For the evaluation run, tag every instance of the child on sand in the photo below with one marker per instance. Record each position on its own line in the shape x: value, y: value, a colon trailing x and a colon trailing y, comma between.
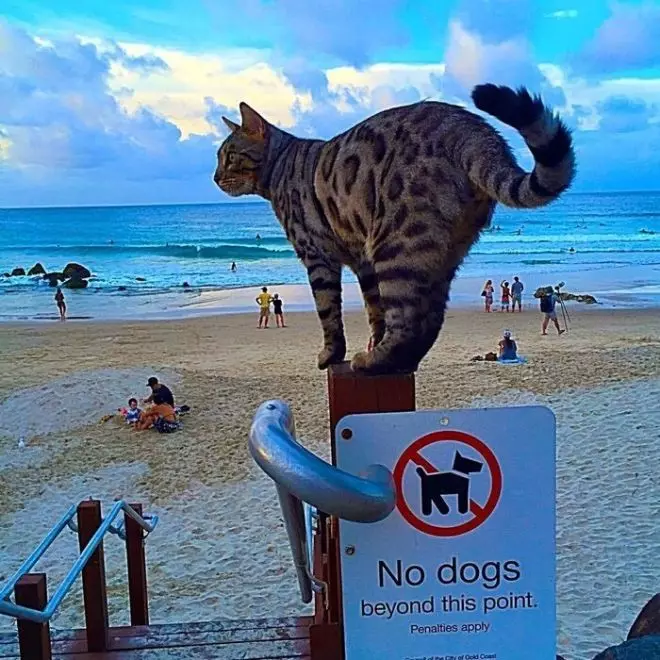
x: 132, y: 413
x: 277, y: 308
x: 506, y: 295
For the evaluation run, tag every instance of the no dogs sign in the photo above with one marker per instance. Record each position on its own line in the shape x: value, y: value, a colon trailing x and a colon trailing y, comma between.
x: 464, y: 567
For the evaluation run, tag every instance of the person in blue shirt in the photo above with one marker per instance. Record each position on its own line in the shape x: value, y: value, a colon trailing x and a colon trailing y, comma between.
x: 517, y: 289
x: 547, y: 304
x: 508, y: 350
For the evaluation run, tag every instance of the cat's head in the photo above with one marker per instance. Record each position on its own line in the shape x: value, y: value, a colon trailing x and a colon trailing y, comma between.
x: 242, y: 156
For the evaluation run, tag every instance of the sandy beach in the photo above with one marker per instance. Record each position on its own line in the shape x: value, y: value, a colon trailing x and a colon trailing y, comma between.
x: 219, y: 514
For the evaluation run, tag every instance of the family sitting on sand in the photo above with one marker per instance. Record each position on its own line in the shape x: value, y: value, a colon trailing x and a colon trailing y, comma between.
x: 161, y: 413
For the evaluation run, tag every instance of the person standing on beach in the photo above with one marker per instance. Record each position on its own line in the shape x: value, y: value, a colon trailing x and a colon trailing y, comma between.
x: 61, y: 305
x: 263, y: 300
x: 517, y: 289
x: 487, y: 294
x: 277, y: 308
x: 547, y: 303
x: 506, y: 295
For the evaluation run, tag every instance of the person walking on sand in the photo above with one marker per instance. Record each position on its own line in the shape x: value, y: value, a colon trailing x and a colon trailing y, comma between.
x: 61, y: 305
x: 263, y: 300
x: 506, y: 295
x: 277, y: 308
x: 517, y: 289
x: 487, y: 294
x: 547, y: 304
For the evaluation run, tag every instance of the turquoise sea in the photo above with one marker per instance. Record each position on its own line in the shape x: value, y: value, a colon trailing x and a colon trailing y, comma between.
x: 610, y: 240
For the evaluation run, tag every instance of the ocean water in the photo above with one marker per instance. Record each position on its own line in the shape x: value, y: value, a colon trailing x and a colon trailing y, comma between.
x: 596, y: 234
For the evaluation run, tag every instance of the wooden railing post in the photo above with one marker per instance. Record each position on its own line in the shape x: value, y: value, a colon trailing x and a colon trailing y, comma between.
x: 348, y: 394
x: 93, y: 578
x: 137, y: 570
x: 33, y: 638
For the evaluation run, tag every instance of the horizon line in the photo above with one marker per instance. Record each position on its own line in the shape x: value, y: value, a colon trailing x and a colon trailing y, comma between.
x: 259, y: 201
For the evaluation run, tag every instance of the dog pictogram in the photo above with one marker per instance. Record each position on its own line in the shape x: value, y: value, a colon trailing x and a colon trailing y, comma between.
x: 457, y: 482
x: 429, y: 487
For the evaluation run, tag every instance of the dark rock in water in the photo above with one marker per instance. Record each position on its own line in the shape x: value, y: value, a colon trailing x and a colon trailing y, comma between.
x: 6, y: 274
x: 185, y: 285
x: 140, y: 279
x: 586, y: 298
x: 54, y: 278
x: 37, y: 269
x: 648, y: 620
x: 542, y: 290
x: 17, y: 272
x: 642, y: 648
x: 74, y: 269
x: 75, y: 283
x: 122, y: 288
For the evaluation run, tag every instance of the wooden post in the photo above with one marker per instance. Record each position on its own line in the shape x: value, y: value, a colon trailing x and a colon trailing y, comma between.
x: 137, y: 570
x: 348, y: 394
x: 93, y: 578
x: 33, y: 638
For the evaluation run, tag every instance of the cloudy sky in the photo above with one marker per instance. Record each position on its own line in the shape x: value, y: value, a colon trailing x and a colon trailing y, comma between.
x: 120, y: 102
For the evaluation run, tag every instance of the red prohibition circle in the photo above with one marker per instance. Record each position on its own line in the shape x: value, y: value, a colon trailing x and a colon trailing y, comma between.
x: 480, y: 515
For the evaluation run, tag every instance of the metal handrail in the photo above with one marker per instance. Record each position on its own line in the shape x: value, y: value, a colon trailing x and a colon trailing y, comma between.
x: 301, y: 476
x: 42, y: 616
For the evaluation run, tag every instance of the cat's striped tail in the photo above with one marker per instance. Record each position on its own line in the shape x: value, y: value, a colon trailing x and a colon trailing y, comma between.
x: 547, y: 137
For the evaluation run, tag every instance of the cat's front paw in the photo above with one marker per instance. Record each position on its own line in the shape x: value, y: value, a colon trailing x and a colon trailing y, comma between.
x: 331, y: 355
x: 375, y: 363
x: 362, y: 361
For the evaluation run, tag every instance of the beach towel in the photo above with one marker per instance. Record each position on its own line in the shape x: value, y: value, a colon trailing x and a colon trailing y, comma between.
x: 518, y: 360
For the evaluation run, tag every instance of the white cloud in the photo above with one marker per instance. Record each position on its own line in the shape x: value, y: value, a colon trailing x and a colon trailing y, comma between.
x: 563, y: 13
x: 178, y: 92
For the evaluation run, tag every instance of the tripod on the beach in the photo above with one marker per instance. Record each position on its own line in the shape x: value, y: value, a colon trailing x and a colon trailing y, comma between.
x: 562, y: 305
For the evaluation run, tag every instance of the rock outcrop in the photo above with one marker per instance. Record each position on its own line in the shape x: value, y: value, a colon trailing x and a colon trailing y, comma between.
x: 73, y: 269
x: 37, y: 269
x: 585, y: 298
x: 75, y: 283
x: 17, y: 272
x: 54, y: 278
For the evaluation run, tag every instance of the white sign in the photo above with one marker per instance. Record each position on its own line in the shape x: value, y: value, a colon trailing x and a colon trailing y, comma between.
x: 464, y: 567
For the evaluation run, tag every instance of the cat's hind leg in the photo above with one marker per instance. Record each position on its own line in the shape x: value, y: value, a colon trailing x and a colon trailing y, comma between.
x: 409, y: 274
x: 375, y: 314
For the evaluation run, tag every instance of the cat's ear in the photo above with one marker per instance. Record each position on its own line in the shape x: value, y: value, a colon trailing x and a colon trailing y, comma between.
x: 231, y: 125
x: 253, y: 123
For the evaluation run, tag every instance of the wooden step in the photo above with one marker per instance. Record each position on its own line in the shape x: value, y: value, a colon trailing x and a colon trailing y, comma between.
x: 250, y: 639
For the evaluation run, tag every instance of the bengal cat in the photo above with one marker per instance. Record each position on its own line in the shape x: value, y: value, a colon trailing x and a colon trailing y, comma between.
x: 399, y: 198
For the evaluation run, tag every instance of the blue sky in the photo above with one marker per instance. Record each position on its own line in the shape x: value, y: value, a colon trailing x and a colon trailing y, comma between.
x: 121, y: 102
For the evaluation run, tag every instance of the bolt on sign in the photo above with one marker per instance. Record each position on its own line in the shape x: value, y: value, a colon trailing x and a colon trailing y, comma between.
x: 464, y: 567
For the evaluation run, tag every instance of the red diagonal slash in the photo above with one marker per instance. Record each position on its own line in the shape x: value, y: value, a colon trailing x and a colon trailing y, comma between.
x: 419, y: 460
